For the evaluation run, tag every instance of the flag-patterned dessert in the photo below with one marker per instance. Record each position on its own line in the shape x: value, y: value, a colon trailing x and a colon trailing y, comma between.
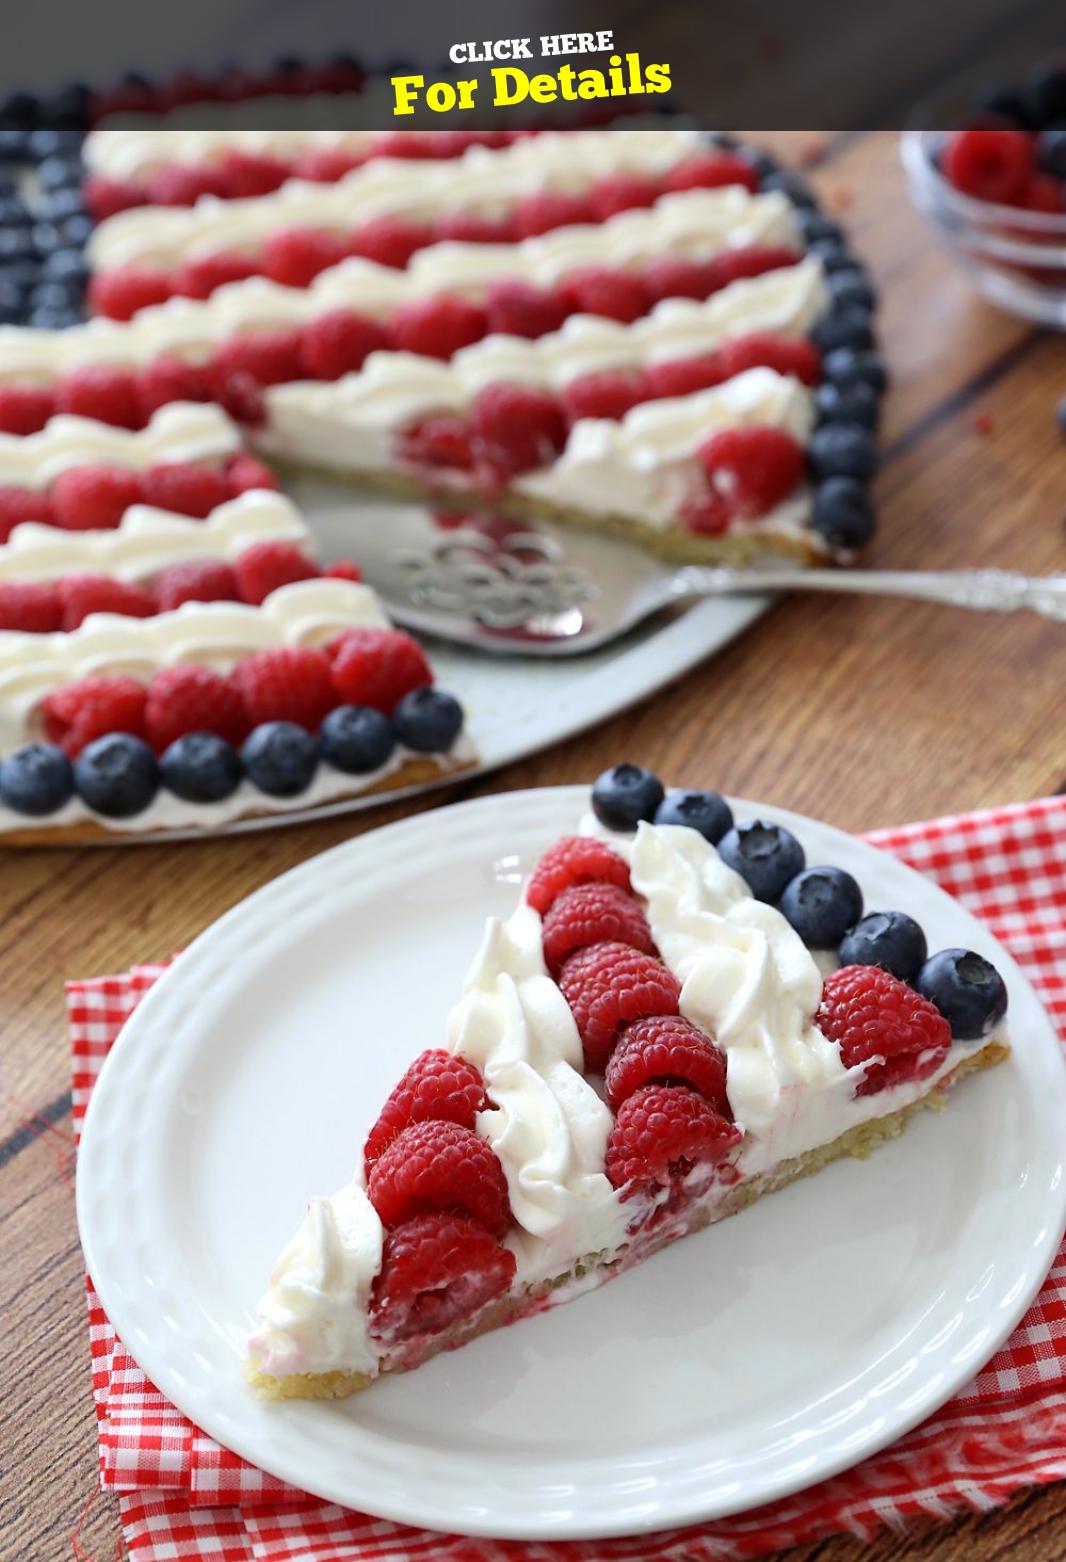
x: 647, y: 1045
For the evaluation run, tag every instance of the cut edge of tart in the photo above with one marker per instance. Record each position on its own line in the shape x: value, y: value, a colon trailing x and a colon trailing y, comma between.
x: 643, y: 1049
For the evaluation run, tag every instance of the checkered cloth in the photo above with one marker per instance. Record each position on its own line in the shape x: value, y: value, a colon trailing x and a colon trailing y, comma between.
x: 184, y: 1498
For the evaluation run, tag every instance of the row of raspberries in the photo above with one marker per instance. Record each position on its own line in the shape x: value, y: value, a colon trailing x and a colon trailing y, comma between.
x: 44, y: 607
x: 338, y: 341
x: 243, y: 175
x: 299, y: 684
x: 294, y: 256
x: 95, y: 498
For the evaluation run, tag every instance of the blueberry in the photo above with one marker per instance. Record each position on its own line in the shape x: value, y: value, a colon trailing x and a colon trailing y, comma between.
x: 357, y: 739
x: 55, y: 297
x: 60, y: 205
x: 52, y: 319
x: 280, y: 758
x: 65, y: 265
x: 852, y: 289
x: 14, y: 146
x: 428, y: 720
x: 626, y: 794
x: 765, y: 855
x: 60, y: 173
x: 22, y: 274
x: 764, y: 163
x: 794, y: 186
x: 890, y: 939
x: 842, y: 513
x: 36, y: 779
x: 842, y: 450
x: 1044, y: 97
x: 706, y: 812
x: 814, y: 227
x: 968, y: 991
x: 845, y: 327
x: 858, y: 403
x: 75, y: 230
x: 1051, y: 153
x: 16, y: 244
x: 14, y: 213
x: 117, y: 775
x: 821, y: 904
x: 1060, y: 414
x: 10, y: 303
x: 53, y: 143
x: 201, y: 768
x: 833, y: 254
x: 846, y: 367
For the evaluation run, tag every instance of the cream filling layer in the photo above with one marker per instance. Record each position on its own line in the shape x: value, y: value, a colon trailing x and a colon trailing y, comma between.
x: 482, y: 181
x: 211, y: 634
x: 695, y: 224
x: 746, y: 978
x: 131, y: 153
x: 147, y: 540
x: 180, y: 431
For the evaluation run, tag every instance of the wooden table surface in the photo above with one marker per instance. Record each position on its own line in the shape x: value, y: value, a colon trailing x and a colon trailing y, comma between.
x: 861, y: 712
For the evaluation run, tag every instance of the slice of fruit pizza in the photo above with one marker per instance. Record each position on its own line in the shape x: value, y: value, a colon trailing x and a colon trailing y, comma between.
x: 647, y: 1045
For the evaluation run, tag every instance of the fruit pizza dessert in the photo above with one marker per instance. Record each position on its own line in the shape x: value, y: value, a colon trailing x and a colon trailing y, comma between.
x: 653, y: 332
x: 680, y: 1016
x: 173, y: 656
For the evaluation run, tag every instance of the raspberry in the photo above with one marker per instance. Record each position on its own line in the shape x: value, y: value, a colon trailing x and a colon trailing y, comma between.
x: 79, y: 712
x: 124, y: 292
x: 267, y: 357
x: 170, y: 379
x: 442, y: 440
x: 617, y: 295
x: 193, y: 699
x: 344, y: 569
x: 1043, y: 193
x: 990, y: 165
x: 194, y: 580
x: 30, y: 606
x: 435, y: 1271
x: 182, y: 184
x: 517, y: 428
x: 390, y: 240
x: 103, y: 392
x: 245, y: 473
x: 593, y: 914
x: 246, y: 174
x: 710, y: 170
x: 18, y: 505
x: 286, y: 683
x: 378, y: 667
x: 465, y: 228
x: 94, y: 498
x: 660, y: 1134
x: 240, y: 395
x: 81, y: 595
x: 669, y: 278
x: 295, y: 256
x: 551, y: 209
x: 435, y: 1165
x: 752, y: 468
x: 24, y: 409
x: 517, y: 309
x: 667, y: 1051
x: 337, y: 343
x: 438, y: 1086
x: 327, y: 164
x: 438, y: 327
x: 186, y: 488
x: 607, y: 986
x: 683, y: 376
x: 765, y: 349
x: 748, y: 260
x: 622, y: 193
x: 199, y: 277
x: 576, y: 859
x: 107, y: 197
x: 416, y: 144
x: 266, y: 566
x: 871, y: 1014
x: 706, y: 515
x: 607, y: 394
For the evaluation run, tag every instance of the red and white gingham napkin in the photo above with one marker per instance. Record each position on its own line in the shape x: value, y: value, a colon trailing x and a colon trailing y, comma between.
x: 185, y: 1498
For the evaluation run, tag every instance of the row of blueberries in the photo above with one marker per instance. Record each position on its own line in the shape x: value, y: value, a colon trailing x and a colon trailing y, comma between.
x: 824, y: 905
x: 44, y: 227
x: 118, y: 775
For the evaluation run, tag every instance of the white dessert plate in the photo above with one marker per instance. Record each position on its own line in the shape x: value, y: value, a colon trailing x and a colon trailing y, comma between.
x: 742, y: 1364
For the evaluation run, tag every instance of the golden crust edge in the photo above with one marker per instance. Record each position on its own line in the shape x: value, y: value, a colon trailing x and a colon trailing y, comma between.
x: 411, y: 773
x: 859, y: 1143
